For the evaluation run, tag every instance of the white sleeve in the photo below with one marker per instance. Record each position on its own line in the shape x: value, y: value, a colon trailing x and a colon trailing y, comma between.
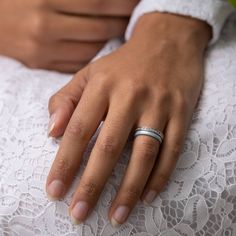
x: 214, y: 12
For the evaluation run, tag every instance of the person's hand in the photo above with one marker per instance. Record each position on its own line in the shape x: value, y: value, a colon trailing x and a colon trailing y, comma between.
x: 59, y: 34
x: 154, y: 80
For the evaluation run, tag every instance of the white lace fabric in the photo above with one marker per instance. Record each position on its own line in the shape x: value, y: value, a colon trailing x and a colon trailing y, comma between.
x: 200, y: 198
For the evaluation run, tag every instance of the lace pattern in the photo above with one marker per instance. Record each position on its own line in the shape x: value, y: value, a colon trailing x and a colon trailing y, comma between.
x: 200, y: 198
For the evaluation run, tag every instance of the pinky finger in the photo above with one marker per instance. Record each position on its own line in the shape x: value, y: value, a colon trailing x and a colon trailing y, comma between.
x: 168, y: 157
x: 65, y: 67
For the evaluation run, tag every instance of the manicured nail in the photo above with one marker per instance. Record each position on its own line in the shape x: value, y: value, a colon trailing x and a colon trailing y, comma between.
x: 51, y: 124
x: 79, y: 212
x: 149, y: 197
x: 55, y: 190
x: 120, y: 215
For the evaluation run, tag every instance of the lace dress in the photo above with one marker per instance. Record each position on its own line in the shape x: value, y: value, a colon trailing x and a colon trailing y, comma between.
x: 200, y: 198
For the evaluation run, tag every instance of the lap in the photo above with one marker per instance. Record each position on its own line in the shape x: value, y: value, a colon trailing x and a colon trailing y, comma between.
x: 199, y: 198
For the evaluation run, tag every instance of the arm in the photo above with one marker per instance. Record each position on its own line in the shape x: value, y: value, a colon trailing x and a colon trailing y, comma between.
x: 153, y: 80
x: 214, y: 12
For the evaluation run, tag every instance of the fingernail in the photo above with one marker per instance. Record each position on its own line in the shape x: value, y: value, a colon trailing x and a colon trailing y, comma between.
x: 120, y: 215
x: 79, y: 212
x: 55, y: 190
x: 149, y: 197
x: 51, y: 124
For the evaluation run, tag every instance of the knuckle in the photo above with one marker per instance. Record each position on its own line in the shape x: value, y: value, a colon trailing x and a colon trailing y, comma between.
x: 61, y: 167
x: 135, y: 91
x: 162, y: 177
x: 77, y: 128
x: 100, y: 79
x: 176, y: 150
x: 40, y: 25
x: 53, y: 99
x: 60, y: 97
x: 107, y: 145
x: 181, y: 103
x: 99, y: 82
x: 164, y: 97
x: 89, y: 188
x: 133, y: 193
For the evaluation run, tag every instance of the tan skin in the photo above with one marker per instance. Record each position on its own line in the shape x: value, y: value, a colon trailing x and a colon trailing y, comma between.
x: 153, y: 80
x: 57, y: 35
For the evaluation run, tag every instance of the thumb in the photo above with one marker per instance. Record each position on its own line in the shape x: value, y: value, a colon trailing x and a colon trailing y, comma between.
x: 63, y: 103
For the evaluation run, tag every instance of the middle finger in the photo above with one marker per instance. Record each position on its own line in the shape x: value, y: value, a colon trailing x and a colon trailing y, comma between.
x: 86, y: 28
x: 144, y: 154
x: 107, y: 149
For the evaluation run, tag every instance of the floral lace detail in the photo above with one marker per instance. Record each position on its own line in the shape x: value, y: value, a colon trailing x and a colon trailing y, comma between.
x: 200, y: 198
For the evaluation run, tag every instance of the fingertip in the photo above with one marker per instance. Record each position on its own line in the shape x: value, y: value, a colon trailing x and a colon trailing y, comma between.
x: 52, y: 199
x: 51, y: 124
x: 149, y: 197
x: 75, y: 221
x: 120, y: 215
x: 58, y: 122
x: 79, y: 212
x: 55, y: 190
x: 54, y: 132
x: 115, y: 223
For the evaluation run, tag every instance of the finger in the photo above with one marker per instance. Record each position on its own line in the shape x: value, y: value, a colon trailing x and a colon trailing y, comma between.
x: 71, y: 51
x: 168, y: 157
x: 90, y: 29
x: 63, y: 103
x: 103, y: 158
x: 104, y: 7
x: 143, y: 156
x: 80, y: 129
x: 65, y: 66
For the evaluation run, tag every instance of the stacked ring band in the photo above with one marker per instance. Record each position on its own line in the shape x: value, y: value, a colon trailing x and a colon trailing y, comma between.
x: 158, y: 135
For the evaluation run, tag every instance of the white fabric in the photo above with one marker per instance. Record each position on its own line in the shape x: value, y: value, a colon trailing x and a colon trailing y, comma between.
x: 214, y: 12
x: 200, y: 198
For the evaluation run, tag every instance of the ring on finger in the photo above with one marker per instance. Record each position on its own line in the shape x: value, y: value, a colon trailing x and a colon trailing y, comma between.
x: 156, y: 134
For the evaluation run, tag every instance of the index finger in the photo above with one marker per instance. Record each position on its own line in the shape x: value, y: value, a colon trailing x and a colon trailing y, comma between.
x: 82, y: 125
x: 63, y: 103
x: 99, y: 8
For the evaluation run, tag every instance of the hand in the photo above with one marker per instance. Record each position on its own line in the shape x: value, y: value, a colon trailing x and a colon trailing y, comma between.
x: 153, y: 80
x: 59, y: 34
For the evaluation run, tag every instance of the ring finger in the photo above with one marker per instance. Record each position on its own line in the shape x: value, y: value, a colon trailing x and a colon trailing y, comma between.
x: 144, y: 153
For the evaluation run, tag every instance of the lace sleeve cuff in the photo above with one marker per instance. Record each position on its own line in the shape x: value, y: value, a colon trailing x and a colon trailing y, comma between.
x: 215, y: 12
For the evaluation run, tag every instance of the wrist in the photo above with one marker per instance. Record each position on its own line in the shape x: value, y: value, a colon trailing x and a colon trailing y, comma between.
x: 155, y: 27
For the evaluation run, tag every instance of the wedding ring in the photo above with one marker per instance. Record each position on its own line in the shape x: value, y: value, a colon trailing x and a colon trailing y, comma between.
x: 158, y: 135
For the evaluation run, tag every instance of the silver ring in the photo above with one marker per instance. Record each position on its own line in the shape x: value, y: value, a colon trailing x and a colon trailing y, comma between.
x: 158, y: 135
